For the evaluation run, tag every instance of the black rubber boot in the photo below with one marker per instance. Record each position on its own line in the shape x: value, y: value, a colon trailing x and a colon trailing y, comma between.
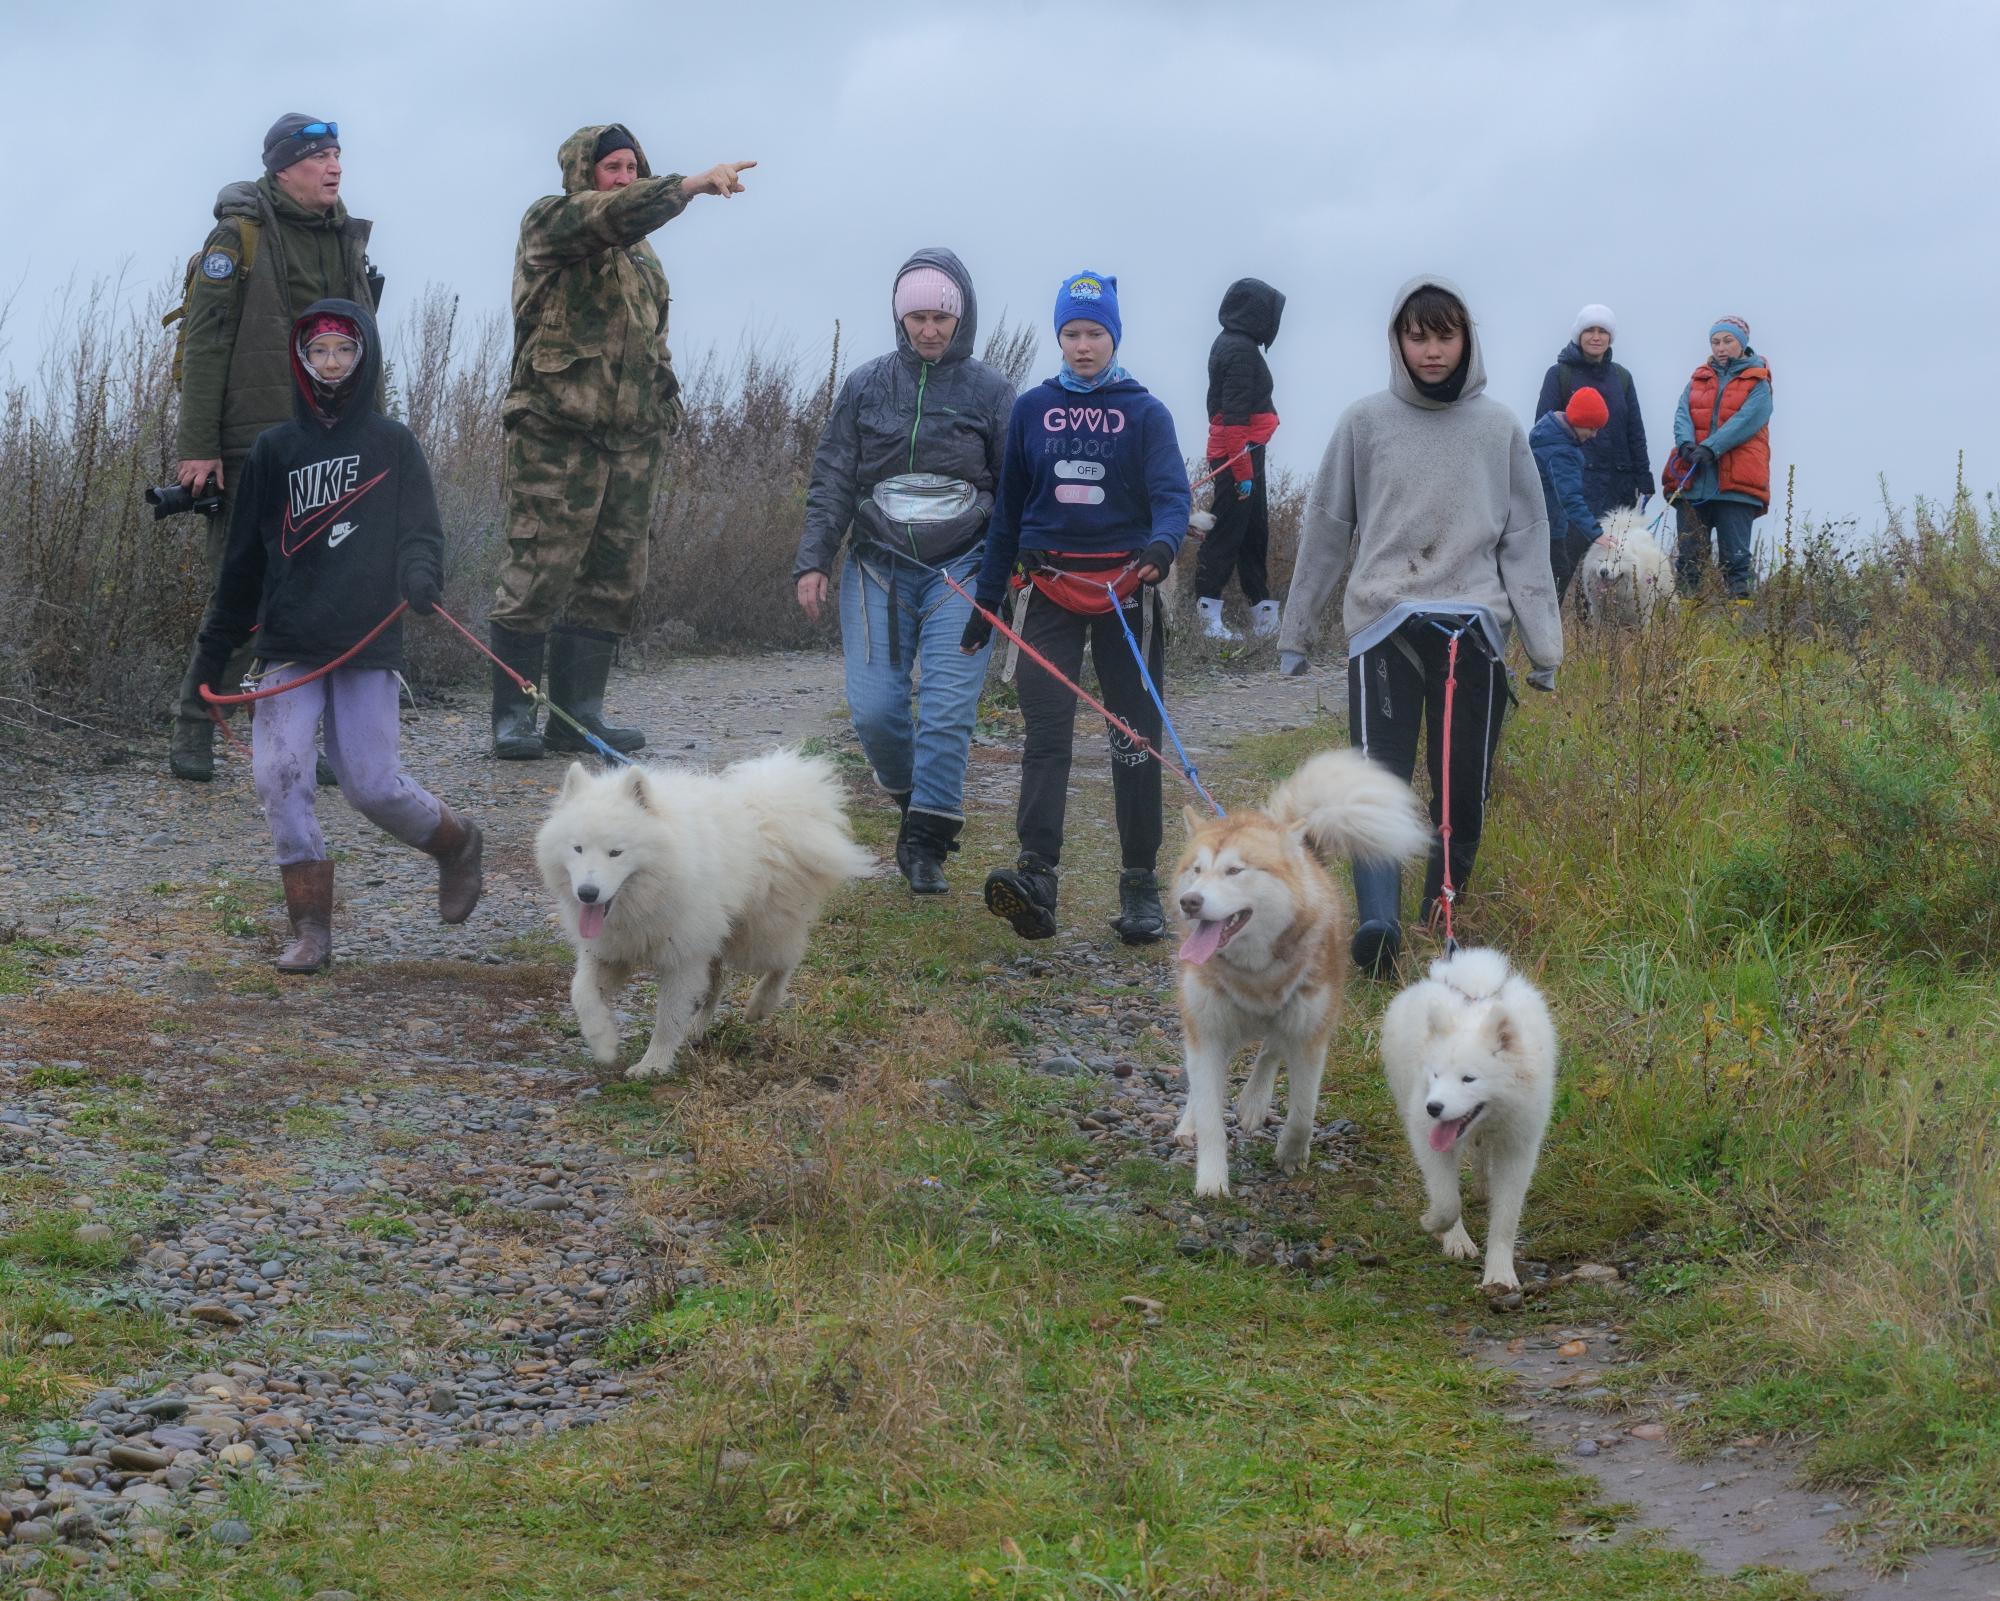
x: 1140, y: 920
x: 1024, y: 894
x: 927, y: 840
x: 191, y: 757
x: 515, y: 737
x: 323, y: 773
x: 579, y: 668
x: 1378, y: 897
x: 902, y: 800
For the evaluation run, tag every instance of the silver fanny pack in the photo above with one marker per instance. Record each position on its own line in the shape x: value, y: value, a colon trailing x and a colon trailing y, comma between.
x: 926, y: 516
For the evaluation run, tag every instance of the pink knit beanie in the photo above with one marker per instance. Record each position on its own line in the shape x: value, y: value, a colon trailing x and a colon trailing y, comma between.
x: 928, y: 289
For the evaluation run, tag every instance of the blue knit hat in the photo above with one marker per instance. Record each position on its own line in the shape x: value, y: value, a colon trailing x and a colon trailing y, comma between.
x: 1731, y: 325
x: 1090, y: 297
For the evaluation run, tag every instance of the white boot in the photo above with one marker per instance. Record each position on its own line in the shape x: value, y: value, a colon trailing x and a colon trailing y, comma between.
x: 1264, y: 619
x: 1212, y: 625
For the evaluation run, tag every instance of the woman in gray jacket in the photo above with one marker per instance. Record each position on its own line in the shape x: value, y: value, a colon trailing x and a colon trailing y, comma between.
x: 908, y: 463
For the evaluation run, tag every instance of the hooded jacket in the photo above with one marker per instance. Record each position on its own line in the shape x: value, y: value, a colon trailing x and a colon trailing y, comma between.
x: 236, y: 374
x: 1438, y: 505
x: 1559, y: 458
x: 901, y: 414
x: 590, y: 305
x: 1239, y: 378
x: 331, y: 525
x: 1616, y: 467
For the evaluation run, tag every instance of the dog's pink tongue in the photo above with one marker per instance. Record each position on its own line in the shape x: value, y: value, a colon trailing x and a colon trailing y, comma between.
x: 1203, y: 943
x: 1444, y: 1135
x: 590, y: 918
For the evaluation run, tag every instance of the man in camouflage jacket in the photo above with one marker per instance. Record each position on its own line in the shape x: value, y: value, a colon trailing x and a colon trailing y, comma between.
x: 590, y: 401
x: 236, y: 372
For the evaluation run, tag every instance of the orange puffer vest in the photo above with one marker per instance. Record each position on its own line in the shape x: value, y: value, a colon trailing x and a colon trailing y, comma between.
x: 1746, y: 470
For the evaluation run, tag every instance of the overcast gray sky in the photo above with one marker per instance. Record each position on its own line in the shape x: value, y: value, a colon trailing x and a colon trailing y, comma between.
x: 1826, y: 171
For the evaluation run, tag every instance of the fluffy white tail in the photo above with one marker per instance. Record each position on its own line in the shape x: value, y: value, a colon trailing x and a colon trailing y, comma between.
x: 799, y: 801
x: 1351, y: 806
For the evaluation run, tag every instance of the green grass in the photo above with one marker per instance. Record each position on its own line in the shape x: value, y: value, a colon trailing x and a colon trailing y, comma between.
x: 911, y: 1373
x: 312, y: 1121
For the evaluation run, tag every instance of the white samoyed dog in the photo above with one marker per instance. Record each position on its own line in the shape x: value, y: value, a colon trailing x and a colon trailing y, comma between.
x: 1625, y: 574
x: 692, y: 874
x: 1470, y: 1055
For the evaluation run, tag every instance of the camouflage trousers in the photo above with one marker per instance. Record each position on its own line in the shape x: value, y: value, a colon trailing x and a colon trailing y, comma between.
x: 577, y: 523
x: 193, y: 727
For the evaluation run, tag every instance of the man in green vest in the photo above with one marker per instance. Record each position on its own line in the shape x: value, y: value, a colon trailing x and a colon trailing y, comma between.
x: 279, y: 243
x: 590, y: 401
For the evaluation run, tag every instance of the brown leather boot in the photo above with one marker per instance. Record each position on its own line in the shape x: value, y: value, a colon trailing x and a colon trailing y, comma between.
x: 457, y: 845
x: 309, y: 904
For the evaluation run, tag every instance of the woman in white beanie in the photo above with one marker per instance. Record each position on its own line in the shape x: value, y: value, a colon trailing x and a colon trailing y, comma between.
x: 1615, y: 464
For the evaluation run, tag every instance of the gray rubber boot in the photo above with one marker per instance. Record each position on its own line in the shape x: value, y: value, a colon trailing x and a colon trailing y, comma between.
x: 515, y: 736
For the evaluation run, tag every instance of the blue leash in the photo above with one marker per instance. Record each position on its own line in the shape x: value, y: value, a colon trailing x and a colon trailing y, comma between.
x: 1166, y: 722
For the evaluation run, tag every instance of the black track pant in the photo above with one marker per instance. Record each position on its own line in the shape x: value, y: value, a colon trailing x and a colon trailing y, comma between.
x: 1390, y: 698
x: 1241, y: 538
x: 1050, y: 713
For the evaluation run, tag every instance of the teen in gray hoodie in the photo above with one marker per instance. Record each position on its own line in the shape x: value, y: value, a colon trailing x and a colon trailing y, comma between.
x: 1429, y: 500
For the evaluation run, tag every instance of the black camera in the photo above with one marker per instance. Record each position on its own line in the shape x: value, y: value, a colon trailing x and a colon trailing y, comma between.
x: 170, y: 500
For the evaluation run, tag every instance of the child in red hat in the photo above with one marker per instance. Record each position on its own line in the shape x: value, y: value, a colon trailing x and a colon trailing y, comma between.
x: 1557, y: 440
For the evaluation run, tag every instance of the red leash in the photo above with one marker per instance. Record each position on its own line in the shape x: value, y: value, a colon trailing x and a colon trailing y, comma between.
x: 217, y: 702
x: 1446, y: 894
x: 341, y: 660
x: 1138, y: 739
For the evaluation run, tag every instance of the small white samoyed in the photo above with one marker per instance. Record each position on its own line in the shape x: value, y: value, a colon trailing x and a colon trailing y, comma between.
x: 1470, y: 1055
x: 1624, y: 573
x: 692, y: 874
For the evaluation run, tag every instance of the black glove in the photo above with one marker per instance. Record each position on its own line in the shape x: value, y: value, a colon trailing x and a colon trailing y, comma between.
x: 1159, y: 556
x: 423, y: 591
x: 210, y: 663
x: 978, y: 629
x: 1702, y: 457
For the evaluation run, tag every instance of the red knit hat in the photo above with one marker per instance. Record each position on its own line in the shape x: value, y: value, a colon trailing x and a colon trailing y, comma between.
x: 1586, y: 409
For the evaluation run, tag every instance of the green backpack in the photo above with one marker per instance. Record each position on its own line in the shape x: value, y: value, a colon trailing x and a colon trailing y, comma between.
x: 247, y: 228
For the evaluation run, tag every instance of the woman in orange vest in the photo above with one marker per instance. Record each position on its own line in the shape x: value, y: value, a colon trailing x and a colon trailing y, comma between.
x: 1720, y: 471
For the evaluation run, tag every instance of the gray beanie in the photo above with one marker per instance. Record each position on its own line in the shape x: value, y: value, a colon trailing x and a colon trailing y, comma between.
x: 287, y: 143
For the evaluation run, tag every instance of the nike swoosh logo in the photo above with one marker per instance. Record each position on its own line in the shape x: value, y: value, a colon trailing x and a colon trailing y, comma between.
x: 337, y: 533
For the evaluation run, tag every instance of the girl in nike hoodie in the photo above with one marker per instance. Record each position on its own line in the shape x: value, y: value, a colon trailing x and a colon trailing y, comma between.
x: 1429, y: 489
x: 335, y: 522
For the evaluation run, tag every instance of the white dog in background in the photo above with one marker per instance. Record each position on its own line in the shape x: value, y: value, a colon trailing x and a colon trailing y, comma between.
x: 1470, y: 1055
x: 1625, y: 574
x: 692, y: 874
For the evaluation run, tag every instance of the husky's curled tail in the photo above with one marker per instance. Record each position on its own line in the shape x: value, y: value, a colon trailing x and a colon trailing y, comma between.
x: 1345, y: 805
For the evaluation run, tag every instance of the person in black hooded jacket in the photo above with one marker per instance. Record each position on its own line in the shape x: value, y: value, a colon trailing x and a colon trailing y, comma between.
x: 1240, y: 424
x: 335, y: 522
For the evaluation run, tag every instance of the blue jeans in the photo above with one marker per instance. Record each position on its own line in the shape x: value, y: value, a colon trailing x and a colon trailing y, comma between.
x: 918, y: 749
x: 1729, y: 521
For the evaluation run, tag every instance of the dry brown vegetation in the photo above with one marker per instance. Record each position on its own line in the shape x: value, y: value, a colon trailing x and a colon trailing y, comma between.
x: 98, y: 602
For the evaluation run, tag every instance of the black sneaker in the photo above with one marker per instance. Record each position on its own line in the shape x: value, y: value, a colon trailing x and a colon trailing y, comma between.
x: 1141, y: 920
x: 1024, y: 894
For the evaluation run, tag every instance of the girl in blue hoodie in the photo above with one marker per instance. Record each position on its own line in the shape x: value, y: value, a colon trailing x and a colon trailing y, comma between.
x: 1093, y: 491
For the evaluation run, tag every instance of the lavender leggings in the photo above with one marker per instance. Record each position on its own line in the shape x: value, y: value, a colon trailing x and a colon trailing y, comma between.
x: 359, y: 705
